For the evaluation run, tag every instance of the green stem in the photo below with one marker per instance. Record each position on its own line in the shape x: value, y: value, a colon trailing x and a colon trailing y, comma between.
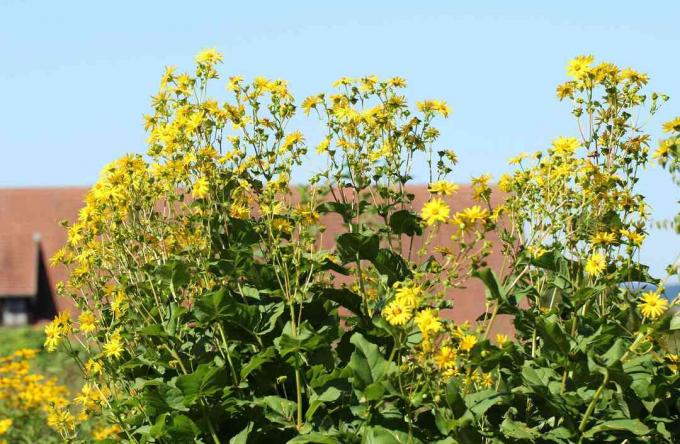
x: 226, y: 347
x: 298, y: 382
x: 591, y: 406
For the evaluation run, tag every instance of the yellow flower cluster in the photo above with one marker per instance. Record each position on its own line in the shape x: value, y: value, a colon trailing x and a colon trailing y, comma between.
x: 400, y: 310
x: 25, y: 393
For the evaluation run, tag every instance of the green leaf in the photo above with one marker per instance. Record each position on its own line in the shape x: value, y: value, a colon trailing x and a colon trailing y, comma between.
x: 494, y: 288
x: 266, y: 355
x: 344, y: 210
x: 205, y: 381
x: 331, y: 394
x: 406, y: 222
x: 675, y: 322
x: 367, y: 363
x: 353, y: 246
x: 479, y: 402
x: 314, y: 438
x: 278, y: 410
x: 518, y: 430
x: 381, y: 435
x: 345, y: 298
x: 307, y: 338
x: 633, y: 426
x: 392, y: 265
x: 615, y: 352
x: 550, y: 331
x: 242, y: 436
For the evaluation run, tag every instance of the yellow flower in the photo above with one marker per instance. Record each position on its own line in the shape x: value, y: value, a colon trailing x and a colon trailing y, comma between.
x: 309, y: 103
x: 106, y: 432
x: 596, y: 264
x: 518, y: 158
x: 487, y: 380
x: 603, y: 238
x: 467, y: 342
x: 436, y: 106
x: 662, y: 152
x: 60, y: 419
x: 113, y: 347
x: 291, y: 139
x: 408, y: 295
x: 443, y: 187
x: 579, y: 67
x: 501, y: 339
x: 435, y: 211
x: 671, y: 125
x: 201, y: 188
x: 87, y: 322
x: 565, y: 146
x: 634, y: 237
x: 208, y: 56
x: 53, y: 336
x: 673, y: 362
x: 93, y: 367
x: 565, y: 90
x: 397, y: 314
x: 428, y: 321
x: 239, y: 211
x: 5, y: 424
x: 652, y: 305
x: 446, y: 358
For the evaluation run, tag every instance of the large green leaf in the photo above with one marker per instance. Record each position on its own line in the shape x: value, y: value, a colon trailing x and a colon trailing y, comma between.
x: 381, y: 435
x: 406, y: 222
x: 242, y: 436
x: 634, y: 426
x: 479, y: 402
x: 392, y: 265
x: 367, y: 363
x: 519, y: 430
x: 205, y: 381
x: 353, y: 246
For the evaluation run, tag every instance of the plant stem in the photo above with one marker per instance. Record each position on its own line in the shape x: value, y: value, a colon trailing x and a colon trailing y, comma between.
x: 298, y: 384
x: 591, y: 406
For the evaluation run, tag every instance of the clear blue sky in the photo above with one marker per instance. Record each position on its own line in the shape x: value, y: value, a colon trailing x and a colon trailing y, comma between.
x: 76, y: 76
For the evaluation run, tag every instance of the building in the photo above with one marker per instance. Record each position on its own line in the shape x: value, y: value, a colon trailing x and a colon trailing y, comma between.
x: 30, y: 234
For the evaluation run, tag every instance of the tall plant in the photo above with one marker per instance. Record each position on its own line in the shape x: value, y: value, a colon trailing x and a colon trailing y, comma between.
x: 212, y: 310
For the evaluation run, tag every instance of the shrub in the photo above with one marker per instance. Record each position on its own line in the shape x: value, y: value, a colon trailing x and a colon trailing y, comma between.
x: 211, y: 312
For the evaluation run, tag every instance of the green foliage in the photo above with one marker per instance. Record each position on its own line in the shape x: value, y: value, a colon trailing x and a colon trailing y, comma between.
x: 217, y: 315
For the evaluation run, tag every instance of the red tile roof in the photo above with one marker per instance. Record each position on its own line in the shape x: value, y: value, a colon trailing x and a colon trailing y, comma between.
x: 29, y: 216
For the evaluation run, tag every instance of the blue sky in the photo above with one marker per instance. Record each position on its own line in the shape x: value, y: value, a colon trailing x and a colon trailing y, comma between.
x: 76, y: 76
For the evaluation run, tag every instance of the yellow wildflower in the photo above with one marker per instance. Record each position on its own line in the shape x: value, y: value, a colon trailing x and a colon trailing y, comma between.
x: 652, y: 305
x: 93, y: 367
x: 5, y: 424
x: 435, y: 211
x: 113, y: 348
x: 596, y: 264
x: 208, y: 56
x: 201, y: 188
x: 579, y: 67
x: 396, y: 313
x: 428, y: 321
x: 671, y: 125
x: 467, y: 342
x: 408, y: 295
x: 443, y: 187
x: 87, y: 322
x: 565, y: 146
x: 446, y: 357
x: 603, y: 238
x: 501, y: 339
x: 309, y: 103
